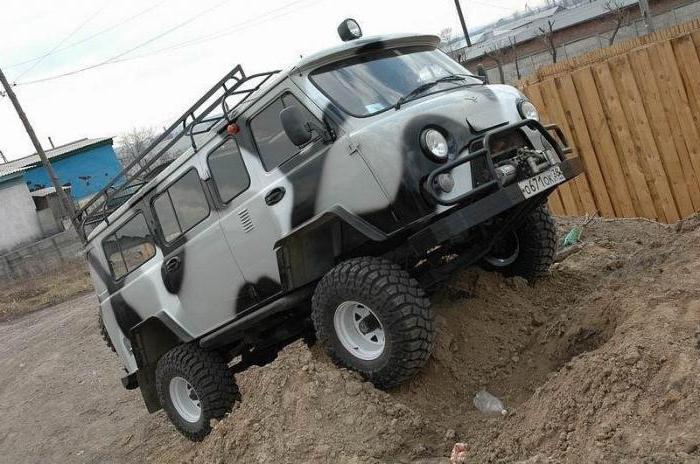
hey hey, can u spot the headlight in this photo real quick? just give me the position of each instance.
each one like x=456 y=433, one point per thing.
x=527 y=110
x=434 y=144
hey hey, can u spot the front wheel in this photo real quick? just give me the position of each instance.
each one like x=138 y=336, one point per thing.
x=372 y=317
x=529 y=250
x=194 y=386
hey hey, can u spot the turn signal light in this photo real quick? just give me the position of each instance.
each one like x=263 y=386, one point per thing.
x=233 y=129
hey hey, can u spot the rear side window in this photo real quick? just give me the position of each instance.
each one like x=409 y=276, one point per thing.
x=273 y=144
x=129 y=247
x=182 y=206
x=228 y=171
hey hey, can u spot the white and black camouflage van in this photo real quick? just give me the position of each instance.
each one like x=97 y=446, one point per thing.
x=320 y=202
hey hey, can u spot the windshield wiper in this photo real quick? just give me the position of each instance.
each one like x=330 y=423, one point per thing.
x=425 y=86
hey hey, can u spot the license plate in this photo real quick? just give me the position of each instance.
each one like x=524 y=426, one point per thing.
x=541 y=181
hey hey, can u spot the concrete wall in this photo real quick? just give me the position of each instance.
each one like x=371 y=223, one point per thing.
x=39 y=257
x=18 y=219
x=87 y=172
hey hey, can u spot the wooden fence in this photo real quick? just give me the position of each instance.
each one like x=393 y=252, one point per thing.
x=632 y=114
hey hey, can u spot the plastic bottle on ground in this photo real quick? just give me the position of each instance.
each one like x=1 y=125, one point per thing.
x=489 y=404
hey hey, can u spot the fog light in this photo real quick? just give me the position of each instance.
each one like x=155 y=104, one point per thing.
x=445 y=181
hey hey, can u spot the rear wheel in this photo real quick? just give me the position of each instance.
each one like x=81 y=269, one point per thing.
x=372 y=317
x=529 y=250
x=194 y=386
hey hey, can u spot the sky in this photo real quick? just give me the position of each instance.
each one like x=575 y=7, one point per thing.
x=162 y=55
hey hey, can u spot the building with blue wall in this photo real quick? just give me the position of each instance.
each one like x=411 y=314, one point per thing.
x=29 y=206
x=86 y=166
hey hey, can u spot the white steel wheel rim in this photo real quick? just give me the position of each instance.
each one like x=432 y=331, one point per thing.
x=185 y=399
x=359 y=330
x=506 y=259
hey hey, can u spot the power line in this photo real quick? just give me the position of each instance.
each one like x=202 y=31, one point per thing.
x=92 y=36
x=264 y=17
x=231 y=29
x=72 y=33
x=136 y=47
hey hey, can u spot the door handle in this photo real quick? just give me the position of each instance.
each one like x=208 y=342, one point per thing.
x=274 y=195
x=172 y=265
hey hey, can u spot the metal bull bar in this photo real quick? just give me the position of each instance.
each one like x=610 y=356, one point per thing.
x=561 y=147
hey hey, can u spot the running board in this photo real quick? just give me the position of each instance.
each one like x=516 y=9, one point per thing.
x=233 y=331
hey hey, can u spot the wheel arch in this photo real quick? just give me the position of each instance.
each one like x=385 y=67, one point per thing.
x=314 y=247
x=151 y=339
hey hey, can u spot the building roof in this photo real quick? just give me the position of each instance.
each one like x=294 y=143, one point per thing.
x=22 y=164
x=527 y=27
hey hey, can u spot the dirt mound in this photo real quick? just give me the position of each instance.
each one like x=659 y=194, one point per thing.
x=597 y=363
x=301 y=408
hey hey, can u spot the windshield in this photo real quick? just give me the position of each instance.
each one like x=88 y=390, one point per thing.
x=374 y=82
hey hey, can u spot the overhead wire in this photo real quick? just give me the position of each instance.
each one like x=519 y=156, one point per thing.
x=264 y=17
x=125 y=52
x=96 y=34
x=62 y=41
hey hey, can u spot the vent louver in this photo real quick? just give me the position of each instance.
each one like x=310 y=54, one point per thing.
x=246 y=221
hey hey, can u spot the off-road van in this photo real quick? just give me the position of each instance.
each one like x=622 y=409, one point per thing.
x=318 y=202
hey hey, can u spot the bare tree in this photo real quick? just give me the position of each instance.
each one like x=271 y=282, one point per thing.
x=619 y=14
x=498 y=55
x=514 y=52
x=547 y=36
x=446 y=41
x=131 y=144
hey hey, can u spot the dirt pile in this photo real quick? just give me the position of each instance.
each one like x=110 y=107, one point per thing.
x=596 y=363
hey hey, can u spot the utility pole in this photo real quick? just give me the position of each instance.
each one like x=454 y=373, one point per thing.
x=67 y=203
x=464 y=24
x=646 y=15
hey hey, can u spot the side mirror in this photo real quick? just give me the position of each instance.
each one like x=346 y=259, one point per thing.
x=295 y=125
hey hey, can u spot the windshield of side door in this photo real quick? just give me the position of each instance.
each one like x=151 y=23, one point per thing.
x=373 y=82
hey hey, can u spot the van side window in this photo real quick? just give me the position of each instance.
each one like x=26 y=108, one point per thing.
x=129 y=246
x=273 y=144
x=182 y=206
x=228 y=171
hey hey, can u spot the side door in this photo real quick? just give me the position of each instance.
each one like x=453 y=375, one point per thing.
x=283 y=183
x=198 y=266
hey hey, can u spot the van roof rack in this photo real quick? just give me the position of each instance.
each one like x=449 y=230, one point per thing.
x=141 y=169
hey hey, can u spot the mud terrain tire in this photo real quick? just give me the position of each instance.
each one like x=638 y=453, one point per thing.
x=537 y=241
x=398 y=303
x=205 y=373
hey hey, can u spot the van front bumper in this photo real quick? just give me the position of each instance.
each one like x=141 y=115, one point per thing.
x=491 y=205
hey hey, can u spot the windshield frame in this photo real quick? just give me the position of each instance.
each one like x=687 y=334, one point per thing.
x=380 y=54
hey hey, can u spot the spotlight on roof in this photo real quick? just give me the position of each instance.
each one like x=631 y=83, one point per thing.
x=349 y=30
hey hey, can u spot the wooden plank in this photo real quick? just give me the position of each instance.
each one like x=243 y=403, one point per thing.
x=581 y=140
x=569 y=206
x=645 y=146
x=661 y=130
x=603 y=144
x=689 y=66
x=579 y=187
x=662 y=75
x=555 y=204
x=681 y=104
x=625 y=148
